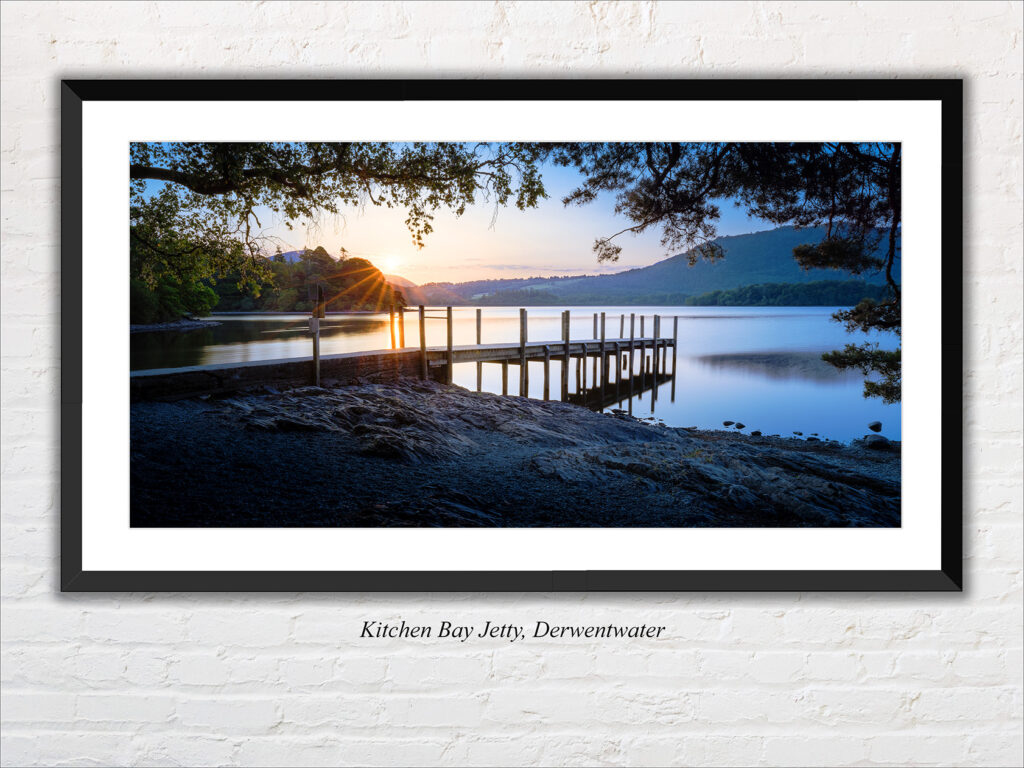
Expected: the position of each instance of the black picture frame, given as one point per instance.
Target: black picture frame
(949, 577)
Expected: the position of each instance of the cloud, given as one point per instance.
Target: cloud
(534, 269)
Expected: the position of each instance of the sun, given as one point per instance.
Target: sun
(390, 263)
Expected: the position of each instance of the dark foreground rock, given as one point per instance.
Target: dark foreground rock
(417, 453)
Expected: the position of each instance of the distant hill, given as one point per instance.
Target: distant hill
(400, 281)
(756, 258)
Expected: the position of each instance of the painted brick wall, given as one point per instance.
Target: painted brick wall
(742, 679)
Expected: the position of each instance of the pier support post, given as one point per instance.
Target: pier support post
(391, 325)
(565, 355)
(523, 381)
(479, 366)
(578, 367)
(401, 327)
(641, 326)
(423, 344)
(547, 372)
(585, 361)
(504, 377)
(604, 358)
(451, 349)
(622, 325)
(314, 326)
(632, 335)
(618, 370)
(675, 343)
(655, 354)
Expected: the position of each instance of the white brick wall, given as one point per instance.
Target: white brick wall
(741, 679)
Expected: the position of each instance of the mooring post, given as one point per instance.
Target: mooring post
(401, 327)
(504, 377)
(314, 327)
(604, 359)
(547, 372)
(423, 344)
(522, 353)
(451, 348)
(565, 355)
(578, 367)
(479, 337)
(641, 326)
(391, 324)
(622, 325)
(595, 326)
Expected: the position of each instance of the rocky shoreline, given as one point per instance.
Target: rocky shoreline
(417, 453)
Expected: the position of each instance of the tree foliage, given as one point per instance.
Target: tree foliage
(196, 206)
(853, 189)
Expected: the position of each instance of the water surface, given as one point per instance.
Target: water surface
(760, 366)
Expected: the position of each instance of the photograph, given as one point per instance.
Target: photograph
(465, 334)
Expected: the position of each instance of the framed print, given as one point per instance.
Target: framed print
(511, 335)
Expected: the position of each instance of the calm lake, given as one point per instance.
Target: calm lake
(757, 365)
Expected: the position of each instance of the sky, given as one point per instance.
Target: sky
(549, 240)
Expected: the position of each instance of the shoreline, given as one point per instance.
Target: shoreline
(189, 324)
(418, 453)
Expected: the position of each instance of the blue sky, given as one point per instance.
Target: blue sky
(548, 240)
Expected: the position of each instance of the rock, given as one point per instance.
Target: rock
(728, 423)
(813, 440)
(875, 426)
(876, 442)
(799, 433)
(814, 433)
(755, 433)
(740, 425)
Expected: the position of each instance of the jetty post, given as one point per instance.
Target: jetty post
(641, 326)
(578, 366)
(451, 349)
(523, 382)
(423, 343)
(314, 327)
(618, 371)
(479, 337)
(622, 325)
(632, 343)
(391, 324)
(655, 354)
(604, 358)
(565, 355)
(595, 326)
(547, 372)
(401, 327)
(675, 343)
(584, 358)
(504, 377)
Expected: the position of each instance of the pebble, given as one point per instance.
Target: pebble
(875, 426)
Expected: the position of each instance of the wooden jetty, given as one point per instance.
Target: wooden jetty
(613, 358)
(623, 366)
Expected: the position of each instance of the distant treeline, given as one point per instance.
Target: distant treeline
(534, 297)
(349, 284)
(823, 293)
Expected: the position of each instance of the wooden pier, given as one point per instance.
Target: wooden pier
(614, 367)
(620, 367)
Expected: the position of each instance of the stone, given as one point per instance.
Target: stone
(756, 433)
(740, 425)
(875, 426)
(876, 442)
(799, 433)
(728, 423)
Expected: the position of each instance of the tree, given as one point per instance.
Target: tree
(195, 206)
(851, 188)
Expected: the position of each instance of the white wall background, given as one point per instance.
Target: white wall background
(788, 679)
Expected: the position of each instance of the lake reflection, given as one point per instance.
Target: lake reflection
(760, 366)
